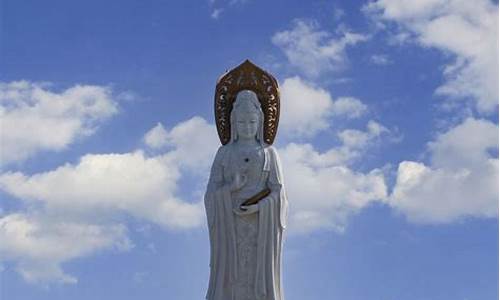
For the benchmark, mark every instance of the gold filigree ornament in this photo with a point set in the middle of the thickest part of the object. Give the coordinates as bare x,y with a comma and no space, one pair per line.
247,76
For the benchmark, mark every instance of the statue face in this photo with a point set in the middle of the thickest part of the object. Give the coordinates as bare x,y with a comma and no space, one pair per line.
247,124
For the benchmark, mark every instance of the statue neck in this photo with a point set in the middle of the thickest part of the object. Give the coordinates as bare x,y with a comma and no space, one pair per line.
247,142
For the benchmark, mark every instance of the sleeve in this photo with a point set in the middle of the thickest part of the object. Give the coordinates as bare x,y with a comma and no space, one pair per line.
215,181
277,186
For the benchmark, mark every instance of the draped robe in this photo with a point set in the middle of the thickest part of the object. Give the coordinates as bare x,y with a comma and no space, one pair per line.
272,217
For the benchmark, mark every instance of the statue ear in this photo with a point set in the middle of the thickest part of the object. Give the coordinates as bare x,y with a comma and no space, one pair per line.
260,132
234,132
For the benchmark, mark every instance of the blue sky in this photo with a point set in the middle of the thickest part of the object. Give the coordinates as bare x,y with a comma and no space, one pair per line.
388,137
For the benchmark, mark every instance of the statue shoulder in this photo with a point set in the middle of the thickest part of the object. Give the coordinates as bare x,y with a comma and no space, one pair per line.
272,155
271,149
222,153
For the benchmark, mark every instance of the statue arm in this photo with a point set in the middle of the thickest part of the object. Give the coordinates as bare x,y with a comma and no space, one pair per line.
276,184
275,181
215,182
216,179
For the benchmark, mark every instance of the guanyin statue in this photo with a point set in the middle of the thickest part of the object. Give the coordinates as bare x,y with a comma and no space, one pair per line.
245,201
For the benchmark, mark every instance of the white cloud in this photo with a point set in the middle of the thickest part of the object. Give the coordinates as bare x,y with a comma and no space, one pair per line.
132,183
82,201
355,139
36,119
40,246
380,59
314,51
306,109
223,5
466,29
338,13
349,107
322,191
195,143
465,145
109,183
461,181
216,13
156,137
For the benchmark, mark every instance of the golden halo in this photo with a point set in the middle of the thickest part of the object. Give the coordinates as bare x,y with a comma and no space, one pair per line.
247,76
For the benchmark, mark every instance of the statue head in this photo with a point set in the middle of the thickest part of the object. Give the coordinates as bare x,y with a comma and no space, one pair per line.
247,117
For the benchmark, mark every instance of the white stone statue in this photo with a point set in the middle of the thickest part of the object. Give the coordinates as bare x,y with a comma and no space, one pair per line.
246,240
